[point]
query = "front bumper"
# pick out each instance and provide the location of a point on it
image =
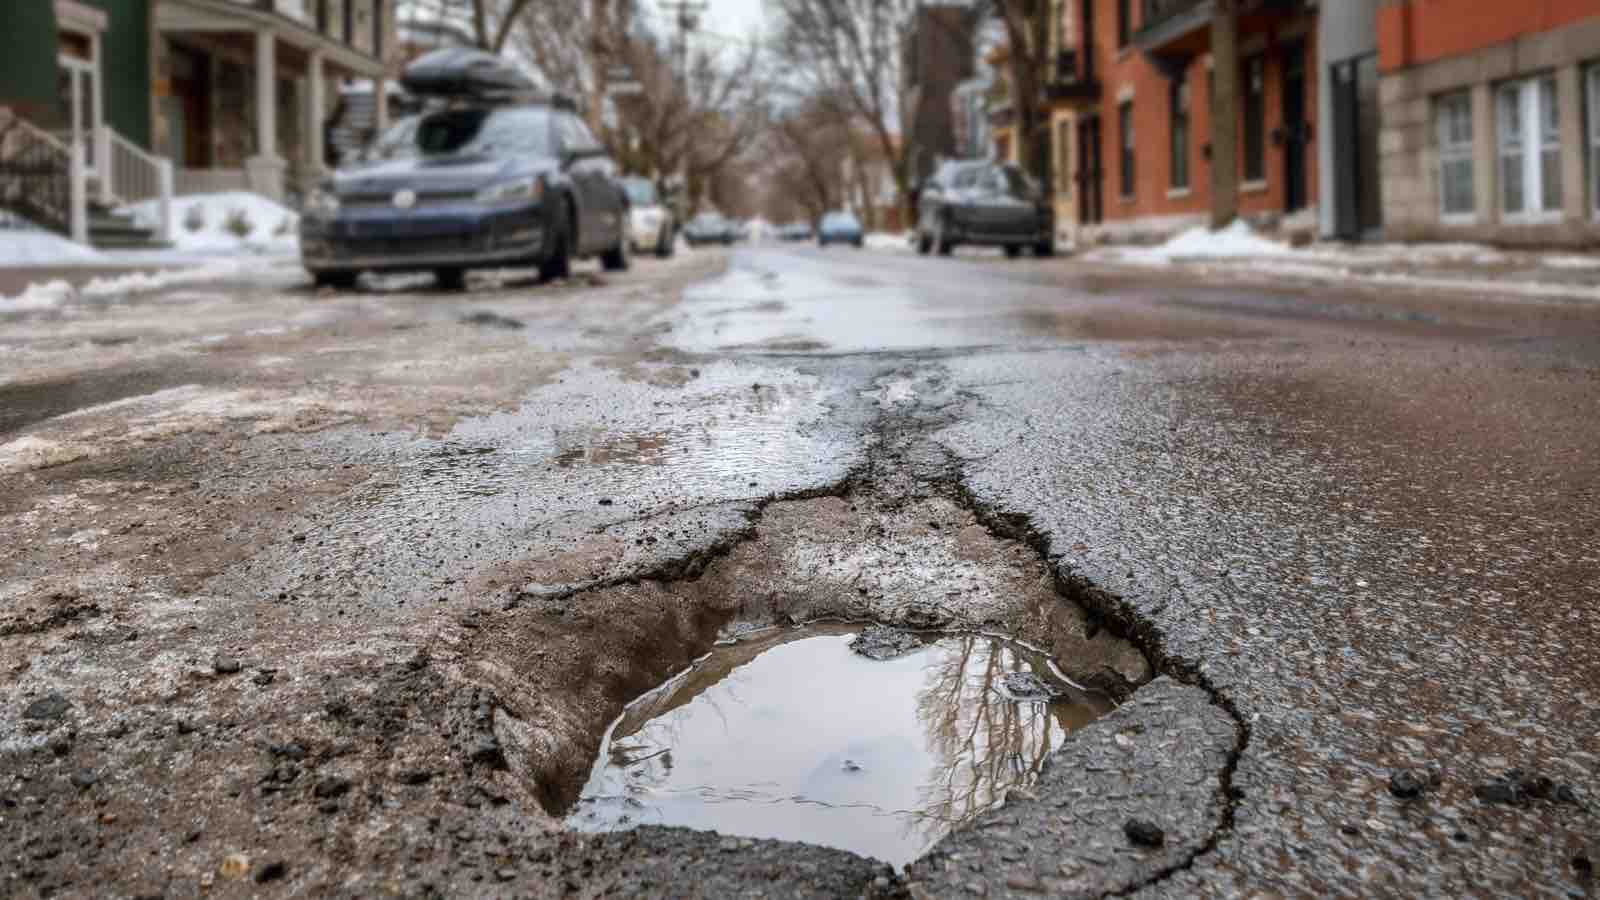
(392, 240)
(1001, 231)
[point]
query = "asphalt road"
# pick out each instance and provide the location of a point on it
(334, 594)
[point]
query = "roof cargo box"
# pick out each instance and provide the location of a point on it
(463, 72)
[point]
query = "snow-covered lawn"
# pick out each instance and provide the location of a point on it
(29, 248)
(226, 223)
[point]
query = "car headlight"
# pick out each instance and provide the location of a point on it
(322, 202)
(523, 190)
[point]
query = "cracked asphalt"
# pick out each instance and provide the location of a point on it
(334, 595)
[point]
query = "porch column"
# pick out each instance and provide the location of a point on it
(316, 87)
(266, 169)
(380, 106)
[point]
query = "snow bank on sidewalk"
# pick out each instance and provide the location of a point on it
(227, 222)
(32, 248)
(1236, 241)
(884, 240)
(53, 294)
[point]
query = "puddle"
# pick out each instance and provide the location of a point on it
(792, 736)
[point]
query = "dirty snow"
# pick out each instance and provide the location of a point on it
(28, 247)
(227, 222)
(1233, 242)
(883, 240)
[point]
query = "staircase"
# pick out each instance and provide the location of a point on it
(48, 181)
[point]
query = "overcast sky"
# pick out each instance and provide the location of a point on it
(736, 18)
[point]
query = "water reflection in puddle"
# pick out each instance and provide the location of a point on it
(792, 736)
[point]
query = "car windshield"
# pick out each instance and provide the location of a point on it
(839, 220)
(1015, 183)
(399, 142)
(486, 132)
(640, 191)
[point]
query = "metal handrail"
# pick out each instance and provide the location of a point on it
(36, 173)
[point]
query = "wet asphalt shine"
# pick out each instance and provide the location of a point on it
(1193, 589)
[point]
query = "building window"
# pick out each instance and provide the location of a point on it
(1125, 126)
(1594, 140)
(1064, 157)
(1530, 148)
(1453, 115)
(1180, 134)
(1255, 120)
(1124, 23)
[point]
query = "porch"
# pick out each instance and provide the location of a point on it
(242, 92)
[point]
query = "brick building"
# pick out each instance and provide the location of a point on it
(1131, 99)
(1491, 120)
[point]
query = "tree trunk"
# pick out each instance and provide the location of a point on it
(1225, 114)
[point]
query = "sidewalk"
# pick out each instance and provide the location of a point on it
(1472, 269)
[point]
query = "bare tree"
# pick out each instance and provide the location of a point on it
(1027, 24)
(852, 50)
(812, 143)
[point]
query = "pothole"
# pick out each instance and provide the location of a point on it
(793, 735)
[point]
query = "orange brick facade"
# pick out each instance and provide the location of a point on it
(1127, 74)
(1416, 32)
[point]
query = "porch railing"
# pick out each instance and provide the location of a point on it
(43, 178)
(131, 175)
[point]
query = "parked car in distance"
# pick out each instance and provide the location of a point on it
(795, 231)
(497, 178)
(651, 227)
(840, 228)
(985, 204)
(708, 228)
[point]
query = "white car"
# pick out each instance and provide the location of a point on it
(650, 225)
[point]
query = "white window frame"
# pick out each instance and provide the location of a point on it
(1530, 145)
(1592, 81)
(1452, 151)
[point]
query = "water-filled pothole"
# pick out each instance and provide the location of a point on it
(791, 735)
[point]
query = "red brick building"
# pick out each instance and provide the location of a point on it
(1132, 100)
(1491, 120)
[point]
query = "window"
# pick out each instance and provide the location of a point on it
(1125, 124)
(1124, 25)
(1453, 117)
(1530, 148)
(1594, 140)
(1255, 120)
(1179, 93)
(1064, 158)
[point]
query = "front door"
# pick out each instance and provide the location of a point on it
(1296, 130)
(1090, 172)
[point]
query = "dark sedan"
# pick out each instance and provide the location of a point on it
(709, 228)
(481, 185)
(984, 204)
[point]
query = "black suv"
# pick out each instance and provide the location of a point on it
(491, 178)
(985, 203)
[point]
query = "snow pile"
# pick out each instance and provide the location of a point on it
(27, 247)
(1236, 241)
(228, 222)
(883, 240)
(38, 296)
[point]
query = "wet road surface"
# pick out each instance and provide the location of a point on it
(335, 594)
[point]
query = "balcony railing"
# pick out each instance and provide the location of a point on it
(1159, 12)
(1072, 77)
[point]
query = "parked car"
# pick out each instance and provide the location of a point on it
(496, 178)
(651, 226)
(795, 231)
(986, 204)
(708, 228)
(840, 228)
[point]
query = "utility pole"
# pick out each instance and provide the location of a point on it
(686, 19)
(1225, 114)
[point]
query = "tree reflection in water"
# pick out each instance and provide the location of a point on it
(791, 736)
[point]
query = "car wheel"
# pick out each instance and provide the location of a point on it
(664, 244)
(338, 279)
(1013, 251)
(450, 278)
(941, 236)
(617, 259)
(1044, 249)
(860, 243)
(558, 262)
(924, 244)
